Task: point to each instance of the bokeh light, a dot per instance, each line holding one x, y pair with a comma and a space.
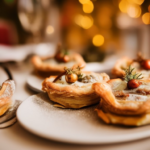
49, 29
98, 40
124, 21
146, 18
123, 5
87, 22
83, 1
84, 21
134, 11
131, 7
139, 2
88, 7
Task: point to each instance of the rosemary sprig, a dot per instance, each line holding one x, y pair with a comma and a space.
69, 70
131, 74
80, 76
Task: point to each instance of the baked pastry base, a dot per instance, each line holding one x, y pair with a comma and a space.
69, 96
110, 118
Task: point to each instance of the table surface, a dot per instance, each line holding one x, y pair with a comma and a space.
17, 138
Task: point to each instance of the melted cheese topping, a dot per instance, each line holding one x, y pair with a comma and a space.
145, 74
134, 95
54, 62
141, 93
142, 87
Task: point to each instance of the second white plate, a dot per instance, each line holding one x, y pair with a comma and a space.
34, 82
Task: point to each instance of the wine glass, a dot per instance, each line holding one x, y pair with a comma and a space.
32, 17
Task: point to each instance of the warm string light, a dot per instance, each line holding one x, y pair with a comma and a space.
49, 29
98, 40
131, 7
139, 2
88, 7
84, 1
146, 18
123, 5
84, 21
134, 11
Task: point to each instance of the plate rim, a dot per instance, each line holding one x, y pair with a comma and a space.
129, 138
30, 85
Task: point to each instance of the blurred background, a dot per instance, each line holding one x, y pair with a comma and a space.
94, 28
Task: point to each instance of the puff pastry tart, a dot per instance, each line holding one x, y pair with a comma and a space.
55, 65
121, 104
141, 65
6, 93
71, 91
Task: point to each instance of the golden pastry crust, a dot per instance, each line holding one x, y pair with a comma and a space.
110, 118
115, 105
73, 96
6, 92
48, 69
124, 63
121, 64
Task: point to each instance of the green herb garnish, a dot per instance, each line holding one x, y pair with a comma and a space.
131, 74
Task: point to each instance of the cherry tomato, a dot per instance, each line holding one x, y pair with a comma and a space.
71, 78
133, 84
66, 58
146, 64
59, 57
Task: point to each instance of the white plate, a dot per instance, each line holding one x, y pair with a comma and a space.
98, 67
35, 83
39, 116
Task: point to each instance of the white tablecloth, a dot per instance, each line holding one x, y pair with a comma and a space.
17, 138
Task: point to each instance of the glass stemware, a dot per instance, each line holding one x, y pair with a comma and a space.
32, 17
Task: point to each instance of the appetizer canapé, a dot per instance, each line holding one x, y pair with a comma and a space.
73, 88
125, 102
6, 92
54, 65
141, 65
